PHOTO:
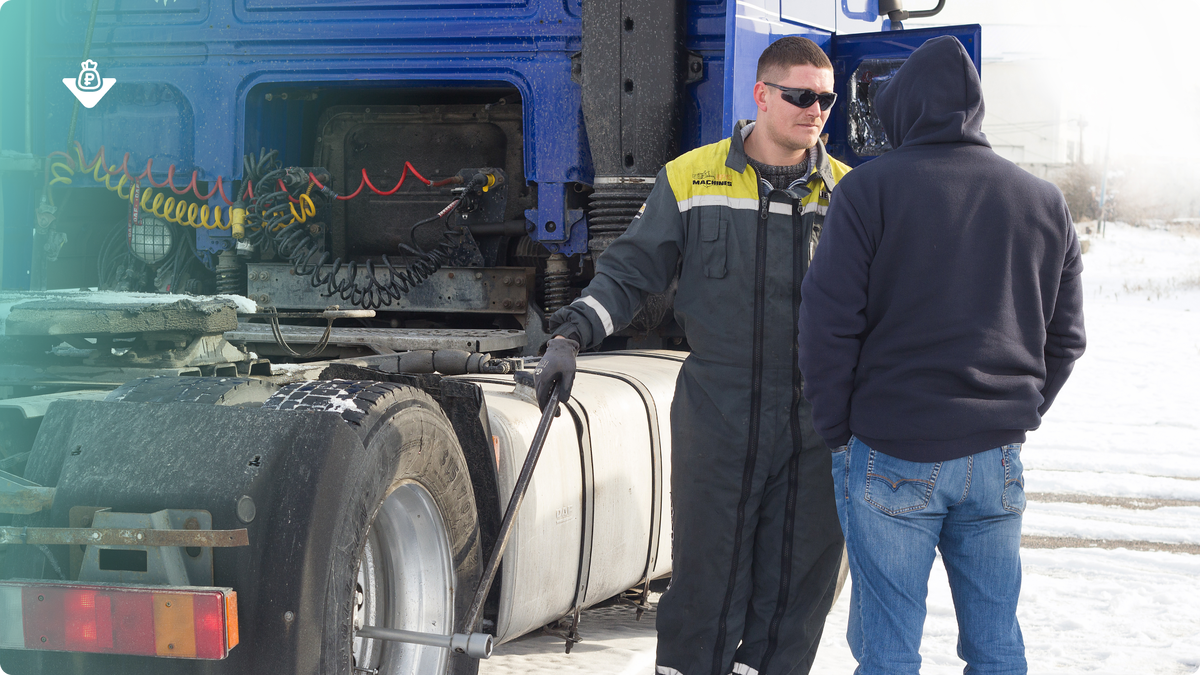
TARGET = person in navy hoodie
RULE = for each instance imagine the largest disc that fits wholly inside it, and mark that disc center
(942, 314)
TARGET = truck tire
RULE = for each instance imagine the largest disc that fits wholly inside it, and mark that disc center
(406, 553)
(235, 391)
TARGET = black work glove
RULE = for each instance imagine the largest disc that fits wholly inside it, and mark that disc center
(557, 367)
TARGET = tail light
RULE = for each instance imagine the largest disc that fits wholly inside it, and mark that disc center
(180, 622)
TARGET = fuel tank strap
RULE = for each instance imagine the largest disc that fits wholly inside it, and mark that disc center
(655, 460)
(587, 470)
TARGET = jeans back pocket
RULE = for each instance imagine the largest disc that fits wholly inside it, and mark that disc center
(1014, 479)
(897, 486)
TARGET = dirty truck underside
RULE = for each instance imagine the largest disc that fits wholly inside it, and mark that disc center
(326, 496)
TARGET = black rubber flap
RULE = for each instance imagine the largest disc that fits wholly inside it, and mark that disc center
(143, 457)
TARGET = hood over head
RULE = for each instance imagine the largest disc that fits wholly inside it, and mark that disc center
(935, 97)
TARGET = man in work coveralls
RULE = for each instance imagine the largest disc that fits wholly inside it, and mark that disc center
(756, 544)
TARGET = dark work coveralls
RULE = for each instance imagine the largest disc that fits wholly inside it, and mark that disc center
(756, 543)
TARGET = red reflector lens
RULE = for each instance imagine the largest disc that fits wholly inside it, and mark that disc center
(133, 623)
(89, 626)
(45, 619)
(210, 626)
(125, 619)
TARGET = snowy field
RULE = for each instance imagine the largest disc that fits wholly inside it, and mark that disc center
(1112, 562)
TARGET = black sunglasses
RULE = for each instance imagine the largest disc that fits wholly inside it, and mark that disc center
(803, 98)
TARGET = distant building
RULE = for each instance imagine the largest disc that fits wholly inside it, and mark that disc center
(1028, 120)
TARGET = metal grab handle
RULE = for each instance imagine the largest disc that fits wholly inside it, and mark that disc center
(514, 503)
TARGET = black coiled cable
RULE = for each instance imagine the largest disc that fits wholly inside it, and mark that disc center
(270, 207)
(373, 293)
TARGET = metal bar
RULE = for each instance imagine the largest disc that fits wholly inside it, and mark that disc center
(24, 501)
(348, 314)
(7, 479)
(327, 314)
(396, 635)
(514, 504)
(474, 645)
(21, 497)
(82, 536)
(13, 460)
(398, 339)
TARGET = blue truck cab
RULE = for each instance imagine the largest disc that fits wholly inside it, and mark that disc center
(564, 97)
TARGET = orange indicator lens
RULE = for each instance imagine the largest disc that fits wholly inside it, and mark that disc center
(231, 620)
(174, 629)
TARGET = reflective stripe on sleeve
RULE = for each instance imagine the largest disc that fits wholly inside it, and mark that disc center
(663, 670)
(736, 203)
(605, 317)
(743, 669)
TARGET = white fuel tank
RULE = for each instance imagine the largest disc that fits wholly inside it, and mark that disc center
(597, 517)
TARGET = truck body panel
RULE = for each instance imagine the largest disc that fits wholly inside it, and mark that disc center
(536, 126)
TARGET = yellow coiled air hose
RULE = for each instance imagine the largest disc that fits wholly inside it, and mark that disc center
(179, 211)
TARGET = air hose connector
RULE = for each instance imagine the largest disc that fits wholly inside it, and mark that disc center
(483, 181)
(237, 219)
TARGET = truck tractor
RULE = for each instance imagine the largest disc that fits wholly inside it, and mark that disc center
(276, 273)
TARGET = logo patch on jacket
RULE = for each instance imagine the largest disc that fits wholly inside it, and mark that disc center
(710, 178)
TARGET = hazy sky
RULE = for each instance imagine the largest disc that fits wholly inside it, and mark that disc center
(1128, 67)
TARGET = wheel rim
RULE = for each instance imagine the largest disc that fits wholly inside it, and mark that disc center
(405, 581)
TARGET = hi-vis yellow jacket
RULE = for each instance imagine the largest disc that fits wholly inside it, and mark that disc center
(743, 256)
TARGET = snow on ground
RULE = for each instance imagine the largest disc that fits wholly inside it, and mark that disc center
(615, 642)
(1179, 524)
(1081, 610)
(1127, 425)
(1110, 481)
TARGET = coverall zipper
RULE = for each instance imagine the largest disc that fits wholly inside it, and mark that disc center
(756, 368)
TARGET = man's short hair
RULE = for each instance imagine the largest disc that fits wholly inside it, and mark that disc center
(790, 51)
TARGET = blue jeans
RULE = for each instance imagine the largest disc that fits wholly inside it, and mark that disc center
(894, 513)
